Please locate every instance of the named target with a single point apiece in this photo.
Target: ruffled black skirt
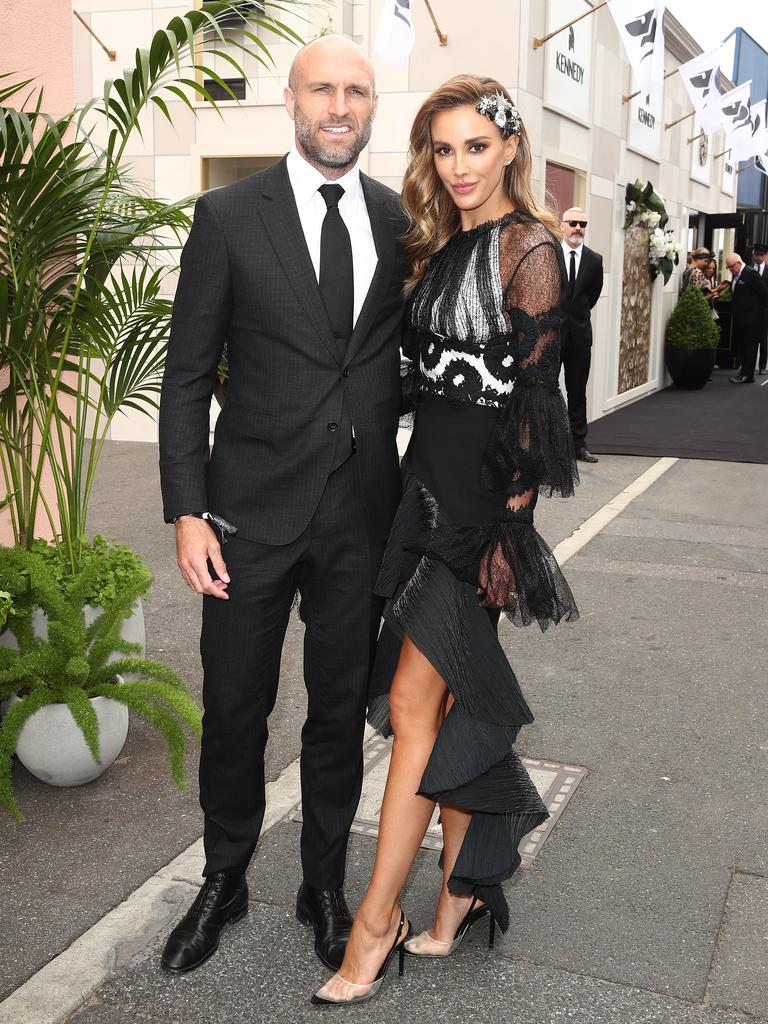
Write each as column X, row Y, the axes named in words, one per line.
column 445, row 524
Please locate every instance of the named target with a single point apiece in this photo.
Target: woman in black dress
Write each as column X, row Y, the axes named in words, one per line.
column 490, row 434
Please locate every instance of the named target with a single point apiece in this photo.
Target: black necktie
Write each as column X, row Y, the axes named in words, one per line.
column 337, row 286
column 572, row 274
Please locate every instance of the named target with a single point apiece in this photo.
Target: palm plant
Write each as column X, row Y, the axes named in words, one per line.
column 83, row 255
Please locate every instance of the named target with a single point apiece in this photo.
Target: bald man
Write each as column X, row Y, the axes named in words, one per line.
column 584, row 277
column 299, row 269
column 748, row 305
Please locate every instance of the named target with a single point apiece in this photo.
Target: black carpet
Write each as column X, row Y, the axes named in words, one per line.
column 723, row 422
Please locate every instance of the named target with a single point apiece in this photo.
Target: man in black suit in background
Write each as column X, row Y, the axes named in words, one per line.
column 749, row 305
column 584, row 282
column 300, row 270
column 760, row 265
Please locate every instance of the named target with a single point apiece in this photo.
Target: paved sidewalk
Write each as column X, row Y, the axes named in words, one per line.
column 648, row 902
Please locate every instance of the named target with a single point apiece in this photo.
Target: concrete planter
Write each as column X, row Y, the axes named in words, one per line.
column 52, row 747
column 132, row 630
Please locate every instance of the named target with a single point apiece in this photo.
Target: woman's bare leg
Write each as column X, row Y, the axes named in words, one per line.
column 451, row 909
column 417, row 708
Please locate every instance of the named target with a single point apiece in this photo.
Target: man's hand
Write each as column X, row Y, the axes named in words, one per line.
column 196, row 543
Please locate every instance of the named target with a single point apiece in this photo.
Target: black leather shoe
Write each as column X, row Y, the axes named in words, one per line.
column 326, row 910
column 741, row 379
column 223, row 899
column 585, row 456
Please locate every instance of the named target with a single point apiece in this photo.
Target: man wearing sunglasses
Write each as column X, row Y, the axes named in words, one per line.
column 584, row 277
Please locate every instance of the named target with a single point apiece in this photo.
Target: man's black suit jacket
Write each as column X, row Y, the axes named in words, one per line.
column 247, row 278
column 749, row 301
column 575, row 319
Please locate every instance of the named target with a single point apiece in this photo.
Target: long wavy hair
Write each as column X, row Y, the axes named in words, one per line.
column 433, row 214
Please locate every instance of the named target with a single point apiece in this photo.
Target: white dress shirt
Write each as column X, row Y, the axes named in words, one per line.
column 305, row 182
column 568, row 249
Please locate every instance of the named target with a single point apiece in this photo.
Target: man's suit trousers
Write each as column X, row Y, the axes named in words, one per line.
column 576, row 360
column 332, row 566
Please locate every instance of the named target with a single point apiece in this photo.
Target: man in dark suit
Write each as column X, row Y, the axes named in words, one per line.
column 760, row 265
column 299, row 269
column 584, row 282
column 749, row 304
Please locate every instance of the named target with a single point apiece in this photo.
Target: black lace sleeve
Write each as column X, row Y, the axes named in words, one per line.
column 531, row 448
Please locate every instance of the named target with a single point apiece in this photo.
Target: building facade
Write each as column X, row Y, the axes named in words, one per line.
column 588, row 142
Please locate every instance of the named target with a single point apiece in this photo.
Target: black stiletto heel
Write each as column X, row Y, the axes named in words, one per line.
column 491, row 931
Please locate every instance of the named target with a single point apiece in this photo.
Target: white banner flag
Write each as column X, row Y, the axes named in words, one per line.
column 701, row 77
column 759, row 115
column 396, row 35
column 640, row 24
column 737, row 121
column 761, row 163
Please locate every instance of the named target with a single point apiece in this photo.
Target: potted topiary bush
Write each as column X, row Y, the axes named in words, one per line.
column 691, row 341
column 70, row 689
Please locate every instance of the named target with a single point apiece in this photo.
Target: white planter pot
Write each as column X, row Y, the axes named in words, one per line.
column 132, row 629
column 52, row 747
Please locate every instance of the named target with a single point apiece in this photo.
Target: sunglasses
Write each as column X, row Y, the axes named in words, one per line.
column 576, row 223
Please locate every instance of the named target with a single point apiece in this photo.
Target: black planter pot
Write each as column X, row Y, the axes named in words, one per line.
column 690, row 368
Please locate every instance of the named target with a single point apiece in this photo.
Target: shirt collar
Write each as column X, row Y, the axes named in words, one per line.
column 568, row 248
column 306, row 179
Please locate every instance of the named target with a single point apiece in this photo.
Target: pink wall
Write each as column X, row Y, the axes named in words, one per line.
column 36, row 42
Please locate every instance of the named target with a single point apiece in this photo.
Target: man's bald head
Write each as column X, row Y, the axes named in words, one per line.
column 331, row 97
column 337, row 47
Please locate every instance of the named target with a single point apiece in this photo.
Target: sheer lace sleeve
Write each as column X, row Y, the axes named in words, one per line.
column 531, row 448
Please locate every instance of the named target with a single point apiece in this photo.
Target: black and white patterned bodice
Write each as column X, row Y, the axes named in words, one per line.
column 464, row 313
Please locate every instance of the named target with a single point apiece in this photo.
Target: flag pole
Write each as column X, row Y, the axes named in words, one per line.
column 555, row 32
column 679, row 120
column 746, row 167
column 440, row 35
column 626, row 99
column 110, row 53
column 700, row 135
column 724, row 153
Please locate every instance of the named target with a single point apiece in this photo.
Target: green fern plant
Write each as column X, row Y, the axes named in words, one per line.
column 690, row 324
column 72, row 664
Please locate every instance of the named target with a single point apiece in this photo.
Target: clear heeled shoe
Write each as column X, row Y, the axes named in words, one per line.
column 425, row 945
column 360, row 993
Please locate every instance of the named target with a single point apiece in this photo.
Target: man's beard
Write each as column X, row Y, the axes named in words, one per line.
column 308, row 137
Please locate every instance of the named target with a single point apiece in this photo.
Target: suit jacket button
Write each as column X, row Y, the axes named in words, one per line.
column 345, row 372
column 333, row 426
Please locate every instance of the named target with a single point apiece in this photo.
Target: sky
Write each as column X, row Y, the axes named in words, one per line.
column 710, row 21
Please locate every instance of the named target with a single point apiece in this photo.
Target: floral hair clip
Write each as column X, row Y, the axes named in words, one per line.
column 502, row 112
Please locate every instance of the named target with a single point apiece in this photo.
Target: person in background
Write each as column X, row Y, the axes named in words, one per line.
column 711, row 288
column 760, row 265
column 584, row 282
column 710, row 273
column 750, row 304
column 693, row 275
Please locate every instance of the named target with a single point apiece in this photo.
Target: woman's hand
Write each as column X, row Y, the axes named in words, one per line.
column 497, row 580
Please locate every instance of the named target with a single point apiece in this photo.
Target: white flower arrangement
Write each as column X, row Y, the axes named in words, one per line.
column 646, row 208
